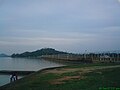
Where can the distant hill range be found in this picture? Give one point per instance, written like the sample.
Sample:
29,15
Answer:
37,53
3,55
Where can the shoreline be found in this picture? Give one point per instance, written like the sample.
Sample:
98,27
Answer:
7,72
61,69
26,73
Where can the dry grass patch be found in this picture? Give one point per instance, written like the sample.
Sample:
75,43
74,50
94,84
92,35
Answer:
61,71
64,79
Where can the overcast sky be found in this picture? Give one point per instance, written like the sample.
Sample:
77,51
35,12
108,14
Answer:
66,25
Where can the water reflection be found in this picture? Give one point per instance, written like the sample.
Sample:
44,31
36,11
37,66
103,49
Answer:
26,64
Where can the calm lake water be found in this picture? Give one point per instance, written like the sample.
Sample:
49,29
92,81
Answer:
7,63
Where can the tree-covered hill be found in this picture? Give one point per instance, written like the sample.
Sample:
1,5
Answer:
43,51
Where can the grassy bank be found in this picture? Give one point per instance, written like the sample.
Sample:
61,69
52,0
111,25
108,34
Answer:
75,77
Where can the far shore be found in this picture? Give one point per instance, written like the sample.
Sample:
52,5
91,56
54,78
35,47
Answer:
6,72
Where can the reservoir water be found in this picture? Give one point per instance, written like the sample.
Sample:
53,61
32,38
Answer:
22,64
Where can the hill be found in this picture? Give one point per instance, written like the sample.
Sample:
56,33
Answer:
43,51
3,55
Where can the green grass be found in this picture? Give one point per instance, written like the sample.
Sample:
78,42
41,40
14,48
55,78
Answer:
92,81
91,64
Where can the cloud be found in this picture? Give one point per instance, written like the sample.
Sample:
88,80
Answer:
119,1
65,24
71,38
